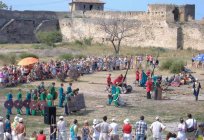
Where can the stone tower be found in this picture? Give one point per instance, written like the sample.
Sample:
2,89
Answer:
86,5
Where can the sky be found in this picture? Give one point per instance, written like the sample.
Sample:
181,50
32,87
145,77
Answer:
111,5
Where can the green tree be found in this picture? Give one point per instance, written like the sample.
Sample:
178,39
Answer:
49,38
3,5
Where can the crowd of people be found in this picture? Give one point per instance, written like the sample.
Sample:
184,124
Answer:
11,75
188,129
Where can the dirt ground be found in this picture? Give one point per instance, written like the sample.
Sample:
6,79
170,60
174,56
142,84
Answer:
177,103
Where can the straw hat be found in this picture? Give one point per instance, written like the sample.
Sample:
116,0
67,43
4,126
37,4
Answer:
157,118
20,120
95,121
126,121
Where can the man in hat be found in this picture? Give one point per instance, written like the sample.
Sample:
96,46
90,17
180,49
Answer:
9,98
1,128
96,133
127,130
21,129
19,98
115,128
61,127
61,95
156,128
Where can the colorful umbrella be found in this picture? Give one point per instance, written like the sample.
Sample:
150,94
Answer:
28,61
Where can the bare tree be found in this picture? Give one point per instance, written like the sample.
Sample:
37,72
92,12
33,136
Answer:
117,30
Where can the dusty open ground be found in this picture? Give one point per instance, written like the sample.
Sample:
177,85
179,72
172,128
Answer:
178,101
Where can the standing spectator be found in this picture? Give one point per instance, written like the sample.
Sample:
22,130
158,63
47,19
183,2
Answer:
191,125
1,128
21,129
74,130
41,136
33,136
96,133
156,128
13,126
104,128
114,133
196,89
149,87
127,130
181,130
200,132
7,124
61,127
140,129
86,131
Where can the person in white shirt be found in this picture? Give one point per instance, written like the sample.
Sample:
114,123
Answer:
181,130
191,125
104,129
114,133
61,127
156,128
1,128
96,133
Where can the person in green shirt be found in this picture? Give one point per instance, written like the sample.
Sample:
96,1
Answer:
61,96
73,130
42,98
28,97
9,98
53,92
35,98
19,98
69,90
49,100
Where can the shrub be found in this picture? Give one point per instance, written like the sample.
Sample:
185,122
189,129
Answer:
165,65
177,66
49,38
78,42
66,56
88,41
24,55
80,56
11,58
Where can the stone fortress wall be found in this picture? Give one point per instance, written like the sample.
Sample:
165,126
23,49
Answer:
156,27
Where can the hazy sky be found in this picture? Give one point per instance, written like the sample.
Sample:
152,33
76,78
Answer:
118,5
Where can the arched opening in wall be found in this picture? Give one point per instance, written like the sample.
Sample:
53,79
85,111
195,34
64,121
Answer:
84,7
91,7
176,14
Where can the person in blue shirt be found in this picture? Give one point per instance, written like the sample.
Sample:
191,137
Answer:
69,89
61,95
9,98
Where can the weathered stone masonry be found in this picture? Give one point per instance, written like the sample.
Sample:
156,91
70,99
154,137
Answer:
168,26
